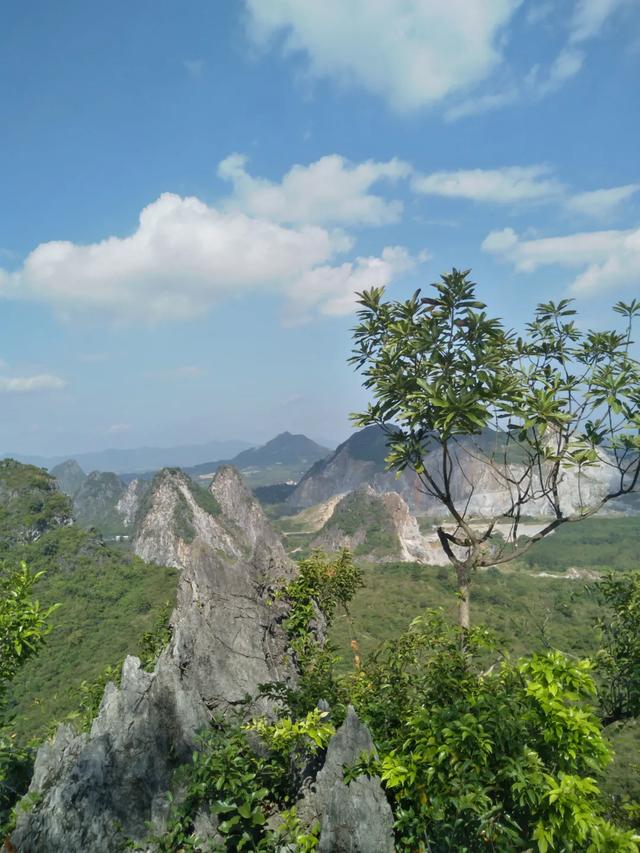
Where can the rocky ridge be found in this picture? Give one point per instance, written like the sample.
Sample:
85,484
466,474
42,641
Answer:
94,790
359,461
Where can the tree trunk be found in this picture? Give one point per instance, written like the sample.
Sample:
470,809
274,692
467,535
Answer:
464,595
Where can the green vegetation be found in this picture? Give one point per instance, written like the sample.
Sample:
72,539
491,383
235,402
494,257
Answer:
510,757
23,626
183,519
442,373
94,503
361,512
29,504
601,544
473,760
204,499
107,598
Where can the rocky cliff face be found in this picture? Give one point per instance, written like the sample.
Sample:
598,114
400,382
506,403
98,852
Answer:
92,791
360,461
379,526
130,502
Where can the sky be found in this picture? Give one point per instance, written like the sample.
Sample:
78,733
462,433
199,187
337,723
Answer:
192,193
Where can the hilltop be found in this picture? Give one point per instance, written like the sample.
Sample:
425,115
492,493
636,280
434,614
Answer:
285,458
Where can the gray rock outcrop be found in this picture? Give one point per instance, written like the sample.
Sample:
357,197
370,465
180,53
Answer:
357,817
475,483
92,791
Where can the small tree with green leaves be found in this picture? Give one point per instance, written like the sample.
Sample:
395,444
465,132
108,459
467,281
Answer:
619,659
23,626
537,414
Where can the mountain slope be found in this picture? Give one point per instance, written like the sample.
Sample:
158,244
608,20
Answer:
96,791
475,482
30,504
107,599
69,476
95,502
285,457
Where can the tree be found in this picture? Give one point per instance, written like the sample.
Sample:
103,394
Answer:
619,659
23,626
537,414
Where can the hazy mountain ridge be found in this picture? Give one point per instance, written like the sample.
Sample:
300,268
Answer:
141,459
286,457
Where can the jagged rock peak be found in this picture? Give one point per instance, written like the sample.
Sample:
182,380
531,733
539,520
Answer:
93,791
355,818
240,506
177,517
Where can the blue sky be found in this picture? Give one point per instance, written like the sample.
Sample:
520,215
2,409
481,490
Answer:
191,194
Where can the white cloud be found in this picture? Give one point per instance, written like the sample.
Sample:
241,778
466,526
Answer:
25,384
329,191
332,290
501,186
589,16
183,258
606,260
481,104
412,54
601,204
586,21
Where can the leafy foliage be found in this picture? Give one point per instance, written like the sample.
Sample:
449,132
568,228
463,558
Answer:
240,786
441,370
470,758
619,659
23,627
324,583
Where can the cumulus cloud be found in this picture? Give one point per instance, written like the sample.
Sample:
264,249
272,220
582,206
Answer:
25,384
331,290
605,260
501,186
601,204
329,191
412,54
183,258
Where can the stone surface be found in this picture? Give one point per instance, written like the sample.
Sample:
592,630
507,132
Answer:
359,461
94,790
345,747
357,819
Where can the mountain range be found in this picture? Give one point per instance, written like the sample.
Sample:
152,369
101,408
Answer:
139,459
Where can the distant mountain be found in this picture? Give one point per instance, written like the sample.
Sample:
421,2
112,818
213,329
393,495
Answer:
69,476
95,502
285,458
359,461
142,458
